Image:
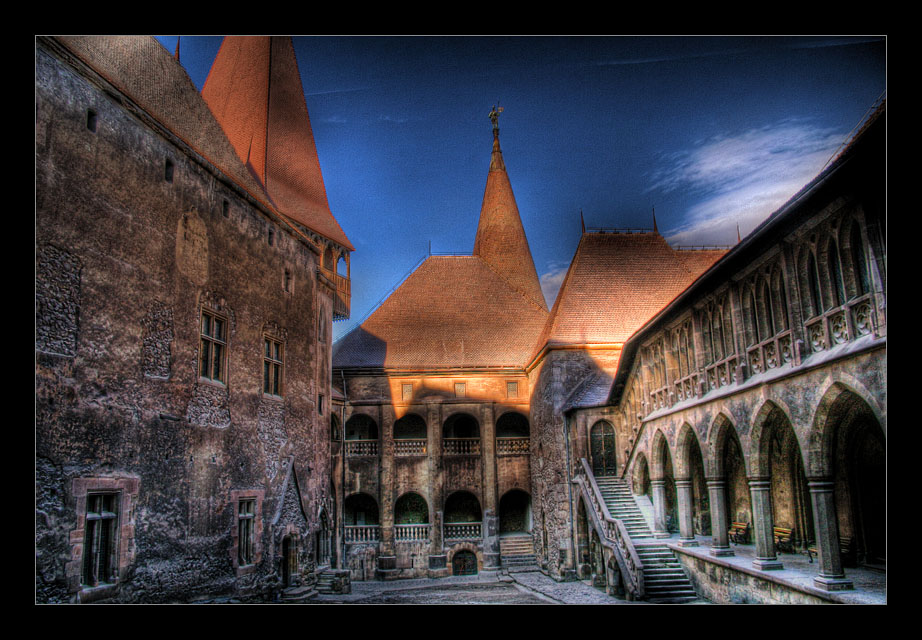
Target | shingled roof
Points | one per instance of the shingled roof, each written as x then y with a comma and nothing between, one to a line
149,76
254,90
616,282
500,239
452,311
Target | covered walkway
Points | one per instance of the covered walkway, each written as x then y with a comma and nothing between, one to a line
798,572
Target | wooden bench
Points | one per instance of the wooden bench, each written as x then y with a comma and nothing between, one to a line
845,550
739,532
784,539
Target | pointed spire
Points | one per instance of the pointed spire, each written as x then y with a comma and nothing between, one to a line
655,229
581,221
501,240
738,239
254,90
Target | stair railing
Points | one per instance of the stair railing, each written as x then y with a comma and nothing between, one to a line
612,531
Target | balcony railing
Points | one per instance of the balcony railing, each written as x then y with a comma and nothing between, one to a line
837,326
512,446
721,373
463,531
410,447
411,532
364,533
461,446
361,447
687,387
769,354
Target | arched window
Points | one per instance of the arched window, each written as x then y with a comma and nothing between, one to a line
717,337
813,286
410,427
767,317
859,262
835,274
705,320
753,320
727,327
780,297
361,427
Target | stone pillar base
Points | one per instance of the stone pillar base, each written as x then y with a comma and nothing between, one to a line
721,551
767,565
491,561
687,542
827,583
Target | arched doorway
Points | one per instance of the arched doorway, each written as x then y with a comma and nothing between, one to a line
779,453
859,469
515,512
464,563
289,560
603,449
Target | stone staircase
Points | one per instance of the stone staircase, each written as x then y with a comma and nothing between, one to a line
296,595
517,553
621,505
333,581
664,579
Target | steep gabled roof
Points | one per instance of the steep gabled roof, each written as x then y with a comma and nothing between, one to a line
615,283
500,239
452,311
255,92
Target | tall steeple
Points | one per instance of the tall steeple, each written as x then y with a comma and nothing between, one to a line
254,90
501,241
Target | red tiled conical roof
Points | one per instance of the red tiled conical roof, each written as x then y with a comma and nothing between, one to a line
501,240
255,92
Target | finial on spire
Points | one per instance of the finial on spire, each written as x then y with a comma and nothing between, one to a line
176,54
581,221
738,239
494,117
655,230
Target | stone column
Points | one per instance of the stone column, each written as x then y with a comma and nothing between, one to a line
659,509
491,555
437,558
387,551
717,490
686,509
760,489
831,575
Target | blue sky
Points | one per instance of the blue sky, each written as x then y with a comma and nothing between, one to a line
711,132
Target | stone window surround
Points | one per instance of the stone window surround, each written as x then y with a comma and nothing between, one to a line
236,496
127,490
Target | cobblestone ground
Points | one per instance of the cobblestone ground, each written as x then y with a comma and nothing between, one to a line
516,588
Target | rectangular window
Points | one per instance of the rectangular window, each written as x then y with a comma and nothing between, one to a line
512,389
246,531
214,346
272,366
99,545
320,404
460,389
407,391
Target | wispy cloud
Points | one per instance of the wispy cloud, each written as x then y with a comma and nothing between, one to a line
741,179
551,281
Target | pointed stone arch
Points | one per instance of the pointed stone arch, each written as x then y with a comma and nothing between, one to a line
722,428
660,453
836,395
686,441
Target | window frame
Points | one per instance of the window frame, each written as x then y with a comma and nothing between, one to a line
207,344
273,377
100,524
